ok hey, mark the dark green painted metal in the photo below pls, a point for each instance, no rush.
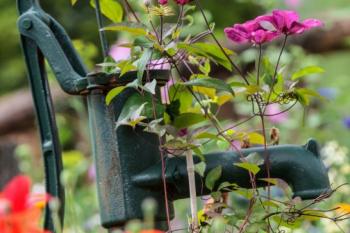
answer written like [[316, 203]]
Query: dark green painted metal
[[119, 155], [54, 44], [42, 36], [47, 125], [300, 166], [128, 160]]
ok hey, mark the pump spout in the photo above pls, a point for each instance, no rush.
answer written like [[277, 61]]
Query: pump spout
[[300, 166]]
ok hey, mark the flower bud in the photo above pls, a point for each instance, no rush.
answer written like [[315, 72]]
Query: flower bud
[[163, 2], [147, 3]]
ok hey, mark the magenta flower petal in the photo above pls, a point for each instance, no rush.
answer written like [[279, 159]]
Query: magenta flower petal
[[284, 19], [286, 22], [236, 35], [250, 31], [296, 28], [311, 23], [163, 2], [182, 2]]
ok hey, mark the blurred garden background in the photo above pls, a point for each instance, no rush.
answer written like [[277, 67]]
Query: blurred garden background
[[327, 121]]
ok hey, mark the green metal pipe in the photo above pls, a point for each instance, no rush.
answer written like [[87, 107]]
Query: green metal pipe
[[300, 166]]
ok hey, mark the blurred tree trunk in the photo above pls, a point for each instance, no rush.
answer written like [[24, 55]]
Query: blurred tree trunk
[[17, 110]]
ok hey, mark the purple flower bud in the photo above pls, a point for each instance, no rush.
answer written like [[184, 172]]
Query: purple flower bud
[[346, 122]]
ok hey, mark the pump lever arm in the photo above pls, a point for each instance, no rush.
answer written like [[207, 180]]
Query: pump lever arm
[[65, 63], [42, 37]]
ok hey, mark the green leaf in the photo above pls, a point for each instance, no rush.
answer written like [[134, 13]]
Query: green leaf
[[125, 66], [270, 203], [253, 168], [187, 119], [156, 127], [256, 138], [216, 195], [210, 83], [246, 193], [136, 100], [133, 117], [142, 63], [270, 180], [73, 2], [255, 158], [136, 29], [303, 95], [209, 50], [307, 71], [150, 87], [227, 185], [213, 176], [207, 135], [198, 153], [111, 9], [200, 168], [113, 93]]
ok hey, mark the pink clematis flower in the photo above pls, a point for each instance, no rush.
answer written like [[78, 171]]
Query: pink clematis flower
[[286, 22], [250, 31], [164, 91], [163, 2], [275, 114], [119, 53], [182, 2]]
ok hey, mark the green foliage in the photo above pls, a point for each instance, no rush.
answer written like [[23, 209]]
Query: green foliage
[[253, 168], [114, 93], [111, 9], [210, 83], [212, 177], [208, 50], [307, 71]]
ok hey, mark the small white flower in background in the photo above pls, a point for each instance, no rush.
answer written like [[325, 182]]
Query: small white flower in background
[[334, 154]]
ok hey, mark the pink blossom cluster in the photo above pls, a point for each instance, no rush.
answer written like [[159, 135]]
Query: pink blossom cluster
[[266, 28], [180, 2]]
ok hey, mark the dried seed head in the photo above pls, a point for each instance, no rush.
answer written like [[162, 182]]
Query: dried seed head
[[275, 136]]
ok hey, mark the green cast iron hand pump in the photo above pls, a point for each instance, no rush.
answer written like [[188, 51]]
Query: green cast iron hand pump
[[122, 181]]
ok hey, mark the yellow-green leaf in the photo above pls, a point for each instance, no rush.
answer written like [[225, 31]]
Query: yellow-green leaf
[[113, 93], [200, 168], [209, 50], [73, 2], [270, 180], [313, 215], [135, 29], [111, 9], [125, 66], [307, 71], [213, 176], [256, 138], [253, 168], [208, 82]]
